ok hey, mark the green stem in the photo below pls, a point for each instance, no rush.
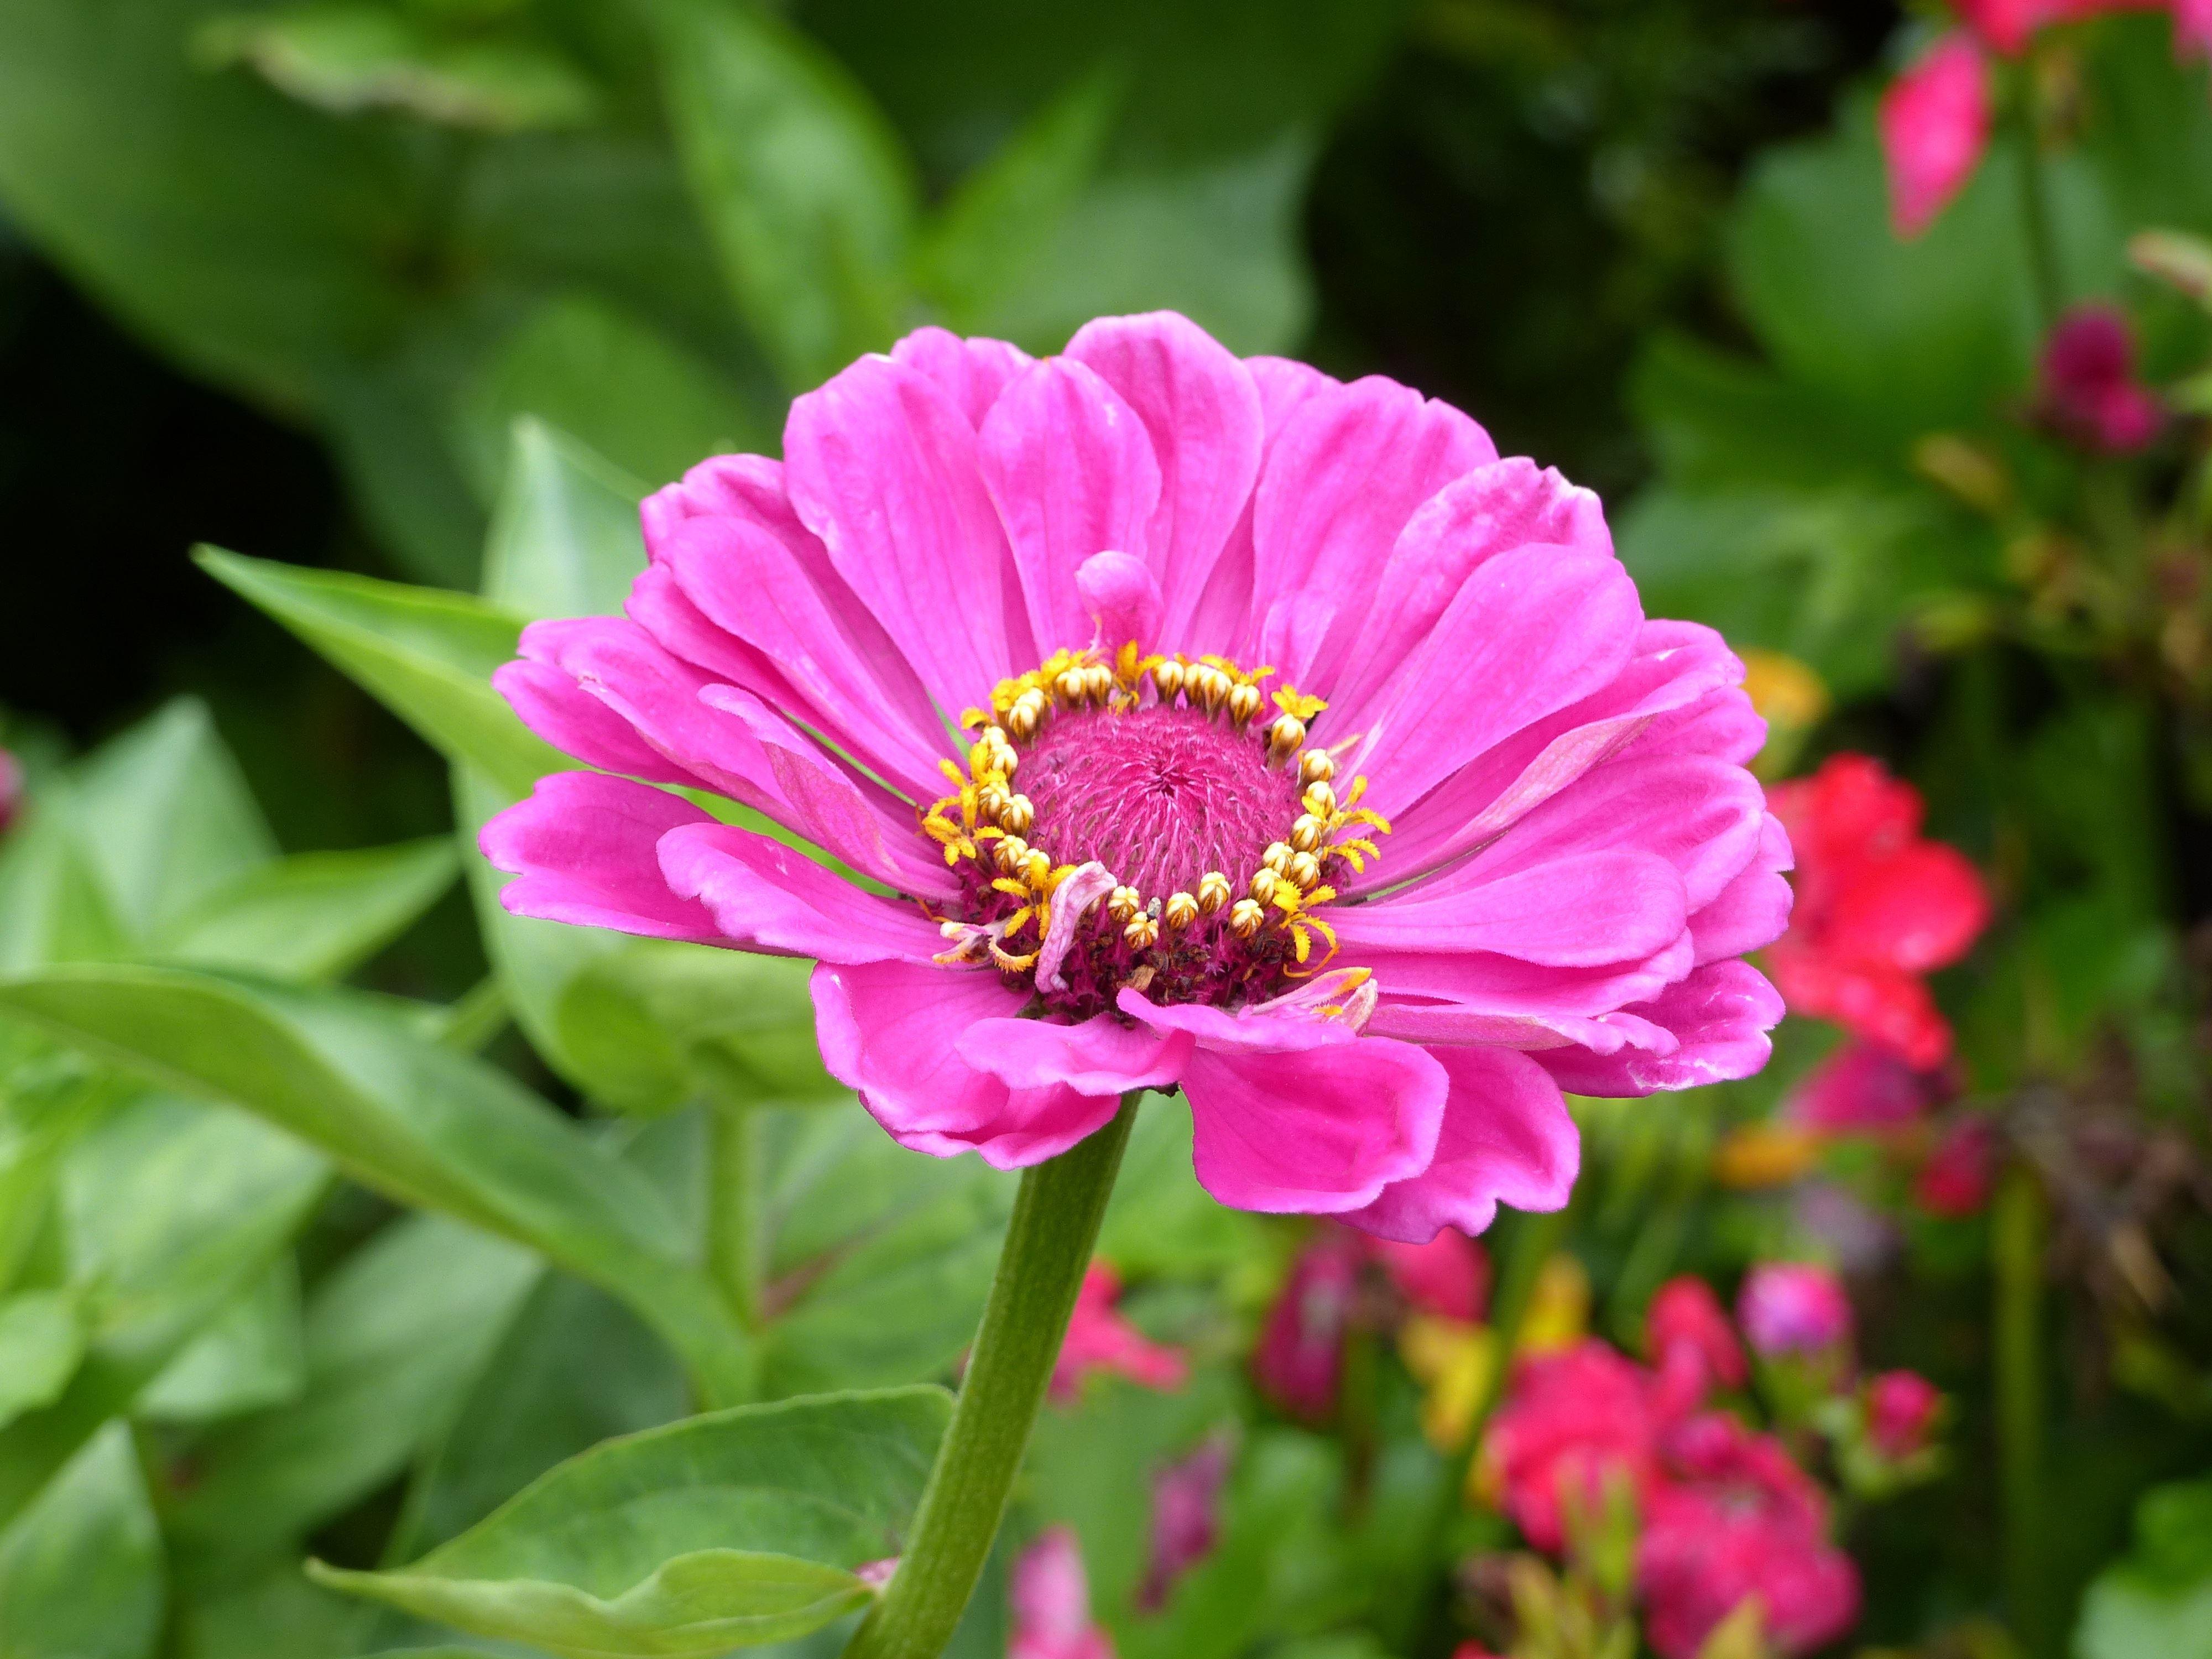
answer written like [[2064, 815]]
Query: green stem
[[2035, 207], [734, 1225], [1049, 1244], [2016, 1248]]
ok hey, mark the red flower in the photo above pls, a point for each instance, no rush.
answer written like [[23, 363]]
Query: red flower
[[1955, 1182], [1877, 907], [1934, 121], [1100, 1339], [1861, 1087], [1900, 1410], [2088, 393], [1732, 1518], [1571, 1422], [1688, 1338]]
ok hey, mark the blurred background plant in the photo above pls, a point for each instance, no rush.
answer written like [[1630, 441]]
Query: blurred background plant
[[1888, 339]]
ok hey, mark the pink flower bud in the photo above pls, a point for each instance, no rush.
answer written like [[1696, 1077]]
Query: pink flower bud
[[1300, 1356], [2088, 391], [1051, 1599], [1185, 1518], [1793, 1308], [1900, 1410], [1687, 1336]]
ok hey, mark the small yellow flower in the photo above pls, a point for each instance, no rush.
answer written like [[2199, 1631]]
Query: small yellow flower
[[1757, 1155], [1558, 1307], [1453, 1360]]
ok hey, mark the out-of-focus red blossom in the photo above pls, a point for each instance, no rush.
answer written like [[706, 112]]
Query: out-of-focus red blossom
[[1935, 122], [1732, 1516], [1793, 1308], [1955, 1181], [2088, 389], [1051, 1600], [1900, 1410], [1300, 1356], [11, 789], [2007, 25], [1877, 907], [1861, 1087], [1449, 1276], [2192, 26], [1688, 1338], [1099, 1340], [1186, 1519], [1571, 1422]]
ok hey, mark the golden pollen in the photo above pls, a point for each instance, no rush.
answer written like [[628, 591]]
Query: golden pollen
[[1243, 703], [1212, 891], [1305, 869], [1284, 736], [1168, 677], [1141, 933], [1069, 684], [1124, 902], [1315, 766], [1245, 917], [1036, 867], [1277, 857], [1264, 882], [1307, 832]]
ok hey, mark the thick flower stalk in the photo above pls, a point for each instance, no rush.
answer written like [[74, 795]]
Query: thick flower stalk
[[1196, 721]]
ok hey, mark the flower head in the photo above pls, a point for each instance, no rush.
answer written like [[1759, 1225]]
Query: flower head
[[1688, 1338], [1901, 1408], [1571, 1423], [1099, 1340], [1793, 1308], [1878, 907], [1204, 722], [1051, 1599], [2088, 391], [1185, 1518], [1934, 121], [1731, 1517]]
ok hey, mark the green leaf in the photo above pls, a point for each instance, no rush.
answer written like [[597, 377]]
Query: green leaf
[[806, 190], [251, 1355], [314, 916], [2159, 1598], [53, 906], [81, 1571], [425, 654], [41, 1341], [428, 1126], [729, 1529], [166, 817], [622, 386], [565, 541], [347, 57], [1000, 220], [391, 1335], [1159, 1220]]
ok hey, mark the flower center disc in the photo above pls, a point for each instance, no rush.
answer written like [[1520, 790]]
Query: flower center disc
[[1159, 795]]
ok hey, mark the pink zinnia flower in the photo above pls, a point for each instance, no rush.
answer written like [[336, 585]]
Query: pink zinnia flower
[[1863, 1087], [1688, 1338], [1733, 1517], [1051, 1599], [1099, 1340], [1955, 1181], [1878, 907], [1900, 1410], [1186, 1519], [1572, 1423], [11, 790], [1300, 1356], [1934, 121], [2089, 393], [1793, 1308], [1308, 757]]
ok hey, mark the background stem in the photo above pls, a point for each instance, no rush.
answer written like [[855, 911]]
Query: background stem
[[734, 1221], [1049, 1244], [2016, 1246]]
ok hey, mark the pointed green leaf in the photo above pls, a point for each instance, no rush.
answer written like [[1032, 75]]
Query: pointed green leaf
[[729, 1529], [805, 187], [314, 916], [53, 905], [428, 1126], [426, 655], [250, 1355], [41, 1339], [565, 541], [81, 1572]]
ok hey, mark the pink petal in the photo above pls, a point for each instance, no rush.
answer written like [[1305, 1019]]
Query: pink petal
[[584, 845], [1350, 467], [1506, 1138], [1752, 911], [1122, 599], [552, 704], [1583, 910], [971, 372], [890, 1030], [1719, 1016], [881, 466], [1098, 1056], [1203, 414], [1071, 468], [1490, 983], [767, 897], [1083, 887], [1494, 509], [1935, 122], [1531, 633]]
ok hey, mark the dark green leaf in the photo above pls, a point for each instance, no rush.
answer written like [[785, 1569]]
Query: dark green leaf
[[733, 1529], [314, 916]]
